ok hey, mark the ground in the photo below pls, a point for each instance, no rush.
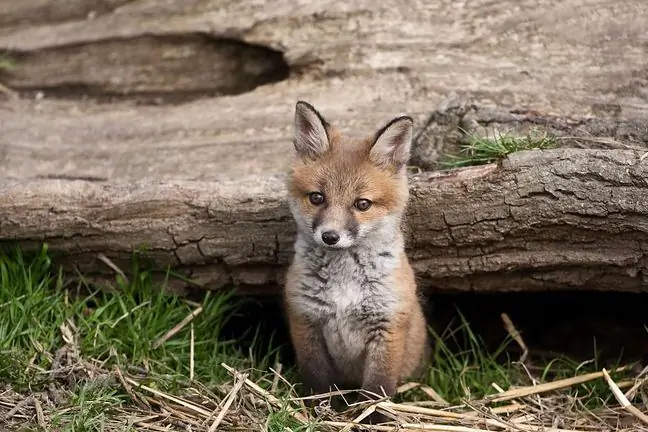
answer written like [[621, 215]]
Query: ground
[[73, 358]]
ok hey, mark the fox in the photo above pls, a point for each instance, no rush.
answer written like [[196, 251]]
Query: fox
[[354, 313]]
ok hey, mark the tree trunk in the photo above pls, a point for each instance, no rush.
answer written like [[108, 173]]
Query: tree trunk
[[199, 184], [558, 219]]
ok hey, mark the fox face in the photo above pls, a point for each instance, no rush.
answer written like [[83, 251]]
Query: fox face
[[343, 190]]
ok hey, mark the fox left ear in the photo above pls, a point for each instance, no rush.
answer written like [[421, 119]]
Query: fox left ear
[[310, 137], [393, 142]]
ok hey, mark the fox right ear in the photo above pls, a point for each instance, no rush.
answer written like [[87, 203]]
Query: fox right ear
[[392, 142], [309, 131]]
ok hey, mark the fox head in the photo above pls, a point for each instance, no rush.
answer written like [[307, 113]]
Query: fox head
[[344, 191]]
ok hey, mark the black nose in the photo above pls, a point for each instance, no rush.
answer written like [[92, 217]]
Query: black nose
[[330, 237]]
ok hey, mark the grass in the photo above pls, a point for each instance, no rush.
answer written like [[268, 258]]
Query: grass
[[116, 327], [6, 63], [461, 366], [91, 360], [483, 150], [89, 407], [44, 319]]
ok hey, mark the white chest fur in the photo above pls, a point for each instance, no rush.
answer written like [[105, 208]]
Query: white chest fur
[[343, 293]]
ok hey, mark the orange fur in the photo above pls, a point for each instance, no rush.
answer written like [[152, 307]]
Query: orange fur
[[344, 170], [349, 160]]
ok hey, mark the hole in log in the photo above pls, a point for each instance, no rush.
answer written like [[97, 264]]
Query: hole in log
[[149, 69], [579, 325]]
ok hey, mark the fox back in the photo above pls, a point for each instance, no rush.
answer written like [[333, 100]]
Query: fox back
[[353, 310]]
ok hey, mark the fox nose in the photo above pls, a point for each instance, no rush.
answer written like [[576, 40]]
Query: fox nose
[[330, 237]]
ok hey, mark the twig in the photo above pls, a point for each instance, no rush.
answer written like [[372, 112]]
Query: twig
[[191, 354], [129, 390], [405, 426], [191, 302], [168, 335], [103, 258], [411, 409], [265, 394], [494, 419], [136, 420], [183, 414], [228, 401], [432, 394], [40, 417], [515, 334], [177, 400], [429, 392], [625, 403], [364, 414], [20, 405], [507, 409], [449, 415], [275, 382], [327, 395], [500, 390], [151, 426], [546, 387], [407, 386], [277, 376], [639, 381]]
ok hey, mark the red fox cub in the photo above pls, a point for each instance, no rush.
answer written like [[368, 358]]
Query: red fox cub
[[351, 299]]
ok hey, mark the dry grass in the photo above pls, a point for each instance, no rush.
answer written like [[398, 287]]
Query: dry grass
[[135, 399], [241, 405], [150, 364]]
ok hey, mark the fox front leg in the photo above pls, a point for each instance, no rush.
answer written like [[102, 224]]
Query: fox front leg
[[314, 364], [382, 367]]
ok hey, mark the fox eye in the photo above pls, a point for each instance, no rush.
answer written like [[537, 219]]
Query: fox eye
[[362, 204], [316, 198]]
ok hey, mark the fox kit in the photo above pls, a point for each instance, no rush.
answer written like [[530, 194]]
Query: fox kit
[[351, 299]]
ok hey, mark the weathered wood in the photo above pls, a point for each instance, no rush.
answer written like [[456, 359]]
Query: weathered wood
[[112, 68], [576, 56], [559, 219], [360, 63], [199, 183], [458, 119]]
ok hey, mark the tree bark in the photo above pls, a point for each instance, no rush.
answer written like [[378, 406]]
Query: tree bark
[[190, 181], [538, 220]]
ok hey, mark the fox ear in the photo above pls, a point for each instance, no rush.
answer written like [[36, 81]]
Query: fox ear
[[392, 143], [309, 131]]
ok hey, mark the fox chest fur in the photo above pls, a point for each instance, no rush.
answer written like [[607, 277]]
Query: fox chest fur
[[348, 295]]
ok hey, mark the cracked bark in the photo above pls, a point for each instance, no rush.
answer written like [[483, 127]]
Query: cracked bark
[[458, 117], [551, 220]]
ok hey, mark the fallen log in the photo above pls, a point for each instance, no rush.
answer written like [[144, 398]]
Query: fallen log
[[538, 220]]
